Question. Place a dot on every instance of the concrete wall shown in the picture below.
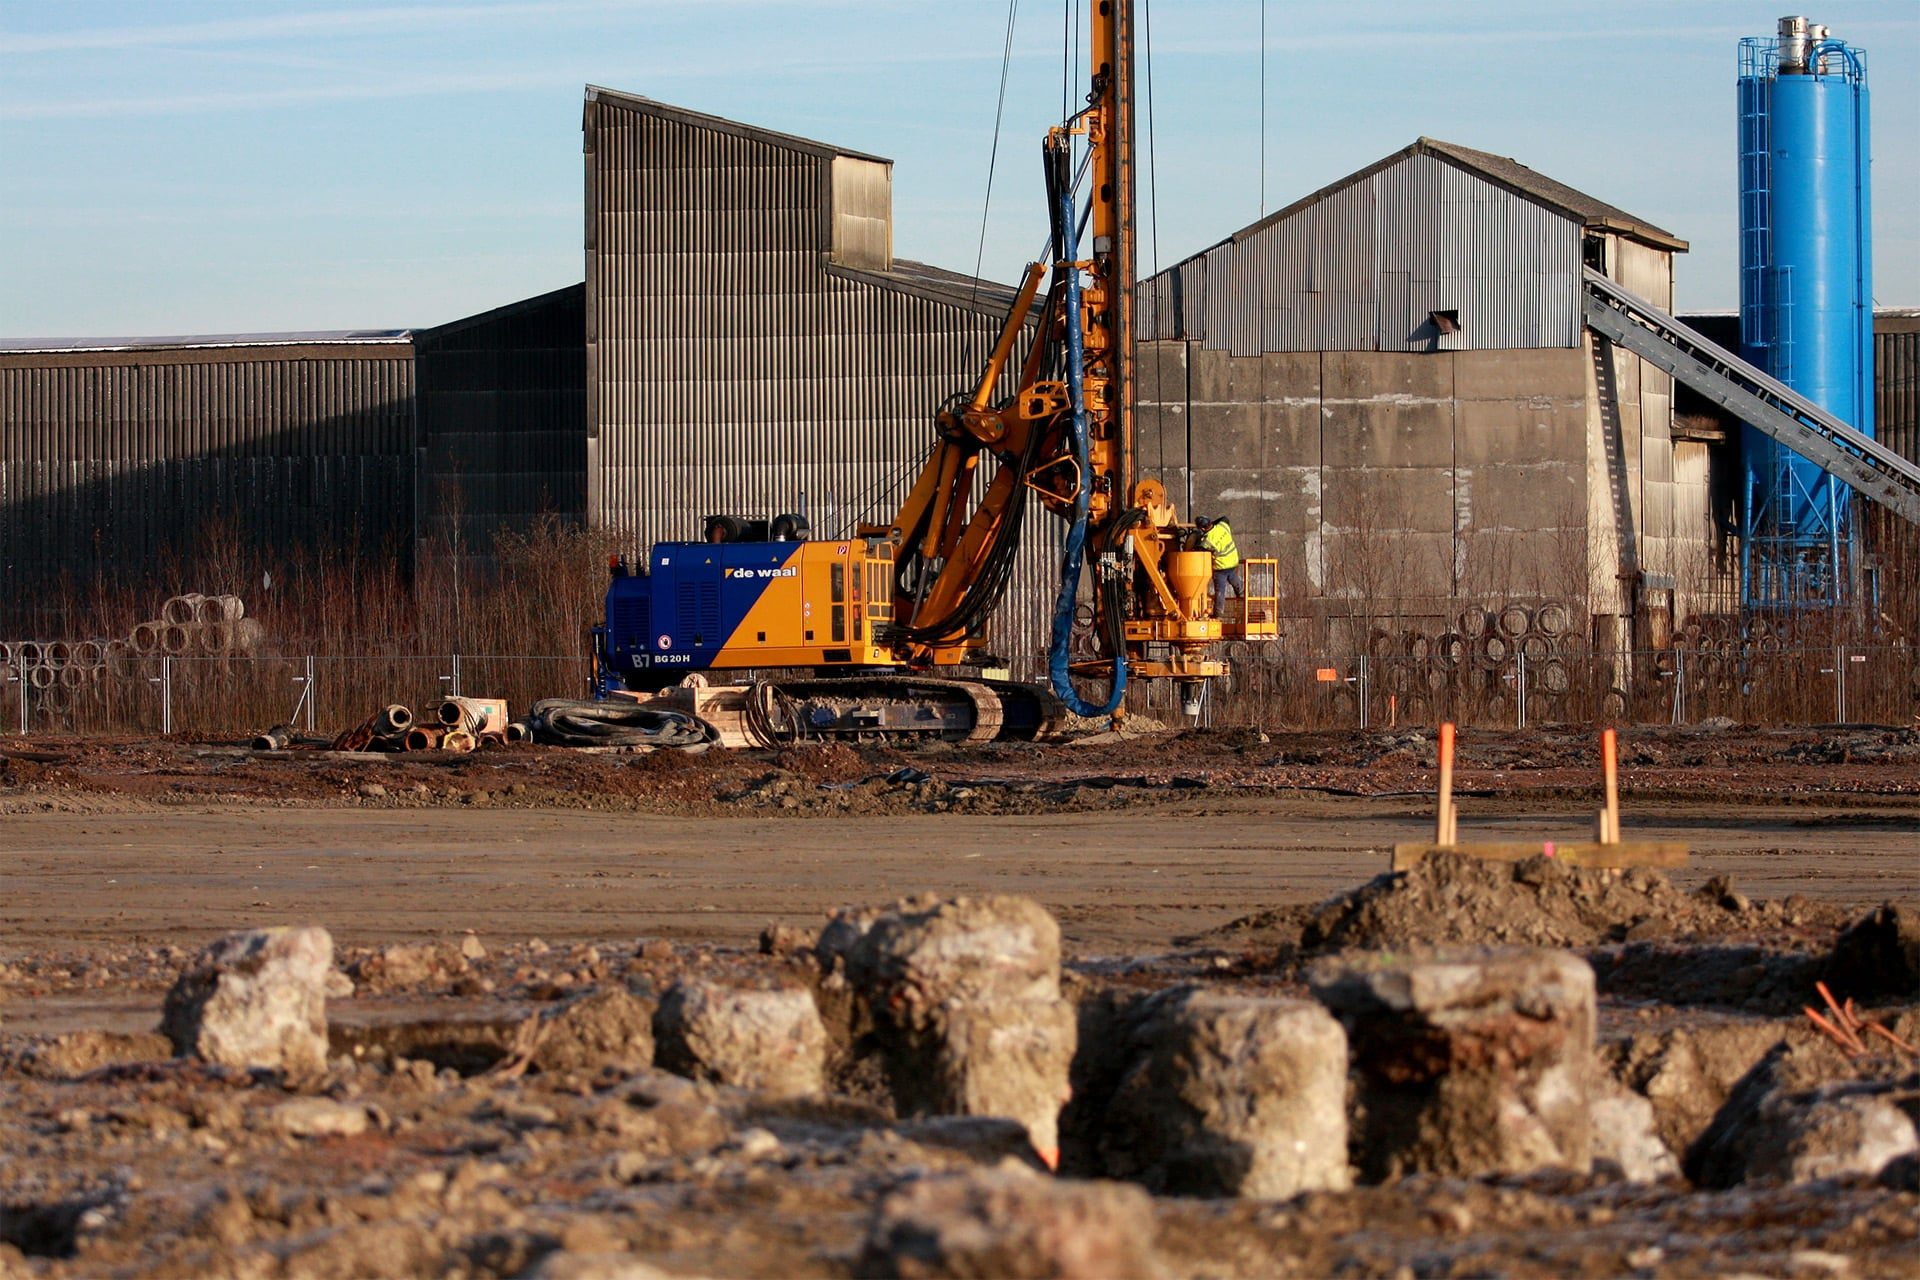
(1651, 522)
(1386, 484)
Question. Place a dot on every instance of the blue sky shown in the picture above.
(217, 166)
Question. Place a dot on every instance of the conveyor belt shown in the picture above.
(1871, 469)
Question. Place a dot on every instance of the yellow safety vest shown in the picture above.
(1219, 540)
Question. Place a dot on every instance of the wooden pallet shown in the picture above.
(1575, 853)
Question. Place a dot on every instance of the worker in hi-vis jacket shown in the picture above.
(1216, 535)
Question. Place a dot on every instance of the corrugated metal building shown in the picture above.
(1896, 373)
(1388, 384)
(502, 412)
(119, 454)
(753, 346)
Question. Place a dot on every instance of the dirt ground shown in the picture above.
(1166, 859)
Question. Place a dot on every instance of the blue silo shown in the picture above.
(1806, 297)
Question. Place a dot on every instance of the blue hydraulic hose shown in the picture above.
(1074, 555)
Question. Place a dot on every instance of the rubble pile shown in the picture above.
(1538, 901)
(890, 1096)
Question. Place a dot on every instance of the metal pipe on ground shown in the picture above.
(225, 608)
(274, 739)
(89, 654)
(42, 677)
(424, 737)
(519, 731)
(475, 715)
(145, 638)
(27, 653)
(56, 654)
(458, 740)
(394, 719)
(176, 639)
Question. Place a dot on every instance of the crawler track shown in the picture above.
(883, 708)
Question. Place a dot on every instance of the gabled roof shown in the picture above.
(1505, 171)
(937, 284)
(300, 338)
(505, 312)
(1501, 171)
(720, 124)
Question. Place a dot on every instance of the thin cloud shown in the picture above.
(308, 25)
(187, 103)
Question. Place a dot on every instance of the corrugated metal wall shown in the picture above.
(1896, 373)
(111, 462)
(503, 419)
(1896, 542)
(732, 366)
(1361, 268)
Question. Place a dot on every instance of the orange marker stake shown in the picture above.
(1609, 762)
(1443, 816)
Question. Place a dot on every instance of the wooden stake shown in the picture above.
(1443, 814)
(1609, 762)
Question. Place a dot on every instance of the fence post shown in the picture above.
(1519, 689)
(1360, 687)
(1679, 686)
(310, 694)
(456, 675)
(166, 696)
(23, 697)
(1839, 684)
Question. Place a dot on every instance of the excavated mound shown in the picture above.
(1540, 901)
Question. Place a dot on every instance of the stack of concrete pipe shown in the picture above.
(63, 675)
(1473, 667)
(194, 625)
(1719, 661)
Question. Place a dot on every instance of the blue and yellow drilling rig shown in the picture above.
(886, 629)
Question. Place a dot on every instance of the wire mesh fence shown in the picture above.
(1827, 684)
(234, 696)
(1270, 686)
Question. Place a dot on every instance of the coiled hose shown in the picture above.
(564, 722)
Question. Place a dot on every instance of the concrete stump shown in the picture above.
(606, 1027)
(255, 999)
(962, 998)
(1806, 1112)
(1232, 1095)
(1014, 1223)
(768, 1040)
(1626, 1135)
(1835, 1132)
(1467, 1061)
